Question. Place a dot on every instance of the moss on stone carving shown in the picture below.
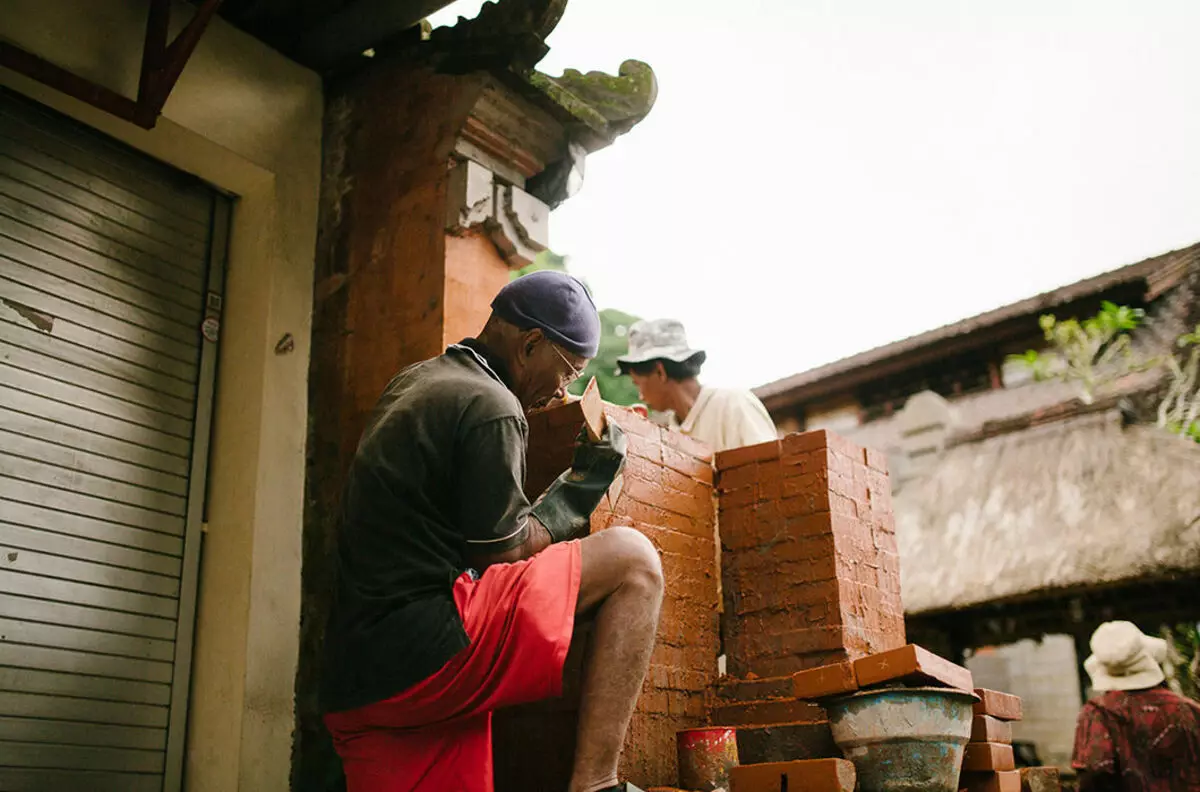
(610, 105)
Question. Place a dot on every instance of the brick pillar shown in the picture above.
(811, 571)
(415, 239)
(666, 493)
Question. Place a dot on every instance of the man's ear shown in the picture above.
(529, 341)
(660, 370)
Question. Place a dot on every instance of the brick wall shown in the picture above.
(666, 493)
(811, 573)
(474, 273)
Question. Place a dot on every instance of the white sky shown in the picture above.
(819, 178)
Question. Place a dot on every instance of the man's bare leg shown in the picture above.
(622, 579)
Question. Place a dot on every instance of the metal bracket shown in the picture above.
(162, 63)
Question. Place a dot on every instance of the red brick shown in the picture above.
(785, 742)
(687, 464)
(699, 524)
(1003, 781)
(785, 664)
(633, 424)
(686, 504)
(674, 480)
(911, 663)
(810, 639)
(809, 775)
(877, 460)
(738, 477)
(823, 681)
(694, 448)
(675, 542)
(745, 496)
(802, 442)
(815, 461)
(698, 656)
(730, 689)
(758, 713)
(985, 728)
(805, 502)
(1002, 706)
(1040, 779)
(643, 447)
(986, 757)
(736, 457)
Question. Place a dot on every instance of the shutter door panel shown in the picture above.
(110, 161)
(67, 419)
(92, 664)
(32, 447)
(19, 357)
(104, 380)
(17, 295)
(105, 232)
(21, 538)
(137, 221)
(140, 327)
(34, 516)
(52, 157)
(14, 607)
(172, 305)
(16, 780)
(175, 286)
(81, 482)
(94, 360)
(72, 733)
(77, 686)
(85, 758)
(97, 244)
(124, 358)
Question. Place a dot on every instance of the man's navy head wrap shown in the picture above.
(557, 304)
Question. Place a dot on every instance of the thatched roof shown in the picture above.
(1077, 503)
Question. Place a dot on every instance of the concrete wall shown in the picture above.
(1045, 675)
(248, 121)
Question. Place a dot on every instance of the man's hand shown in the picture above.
(566, 507)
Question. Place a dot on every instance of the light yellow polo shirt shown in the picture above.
(727, 418)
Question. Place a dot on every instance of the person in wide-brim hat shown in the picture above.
(1135, 735)
(666, 370)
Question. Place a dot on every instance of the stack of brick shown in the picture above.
(810, 577)
(988, 761)
(810, 566)
(665, 493)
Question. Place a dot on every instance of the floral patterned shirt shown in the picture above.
(1139, 741)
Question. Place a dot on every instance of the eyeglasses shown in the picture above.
(575, 373)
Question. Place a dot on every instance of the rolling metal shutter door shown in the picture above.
(109, 263)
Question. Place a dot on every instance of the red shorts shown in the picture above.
(437, 735)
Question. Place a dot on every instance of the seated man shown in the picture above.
(455, 595)
(665, 371)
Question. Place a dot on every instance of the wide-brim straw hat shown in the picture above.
(1125, 658)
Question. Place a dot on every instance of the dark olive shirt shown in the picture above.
(438, 477)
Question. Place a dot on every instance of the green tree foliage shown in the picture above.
(614, 387)
(614, 327)
(1099, 350)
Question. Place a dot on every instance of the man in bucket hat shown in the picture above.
(665, 370)
(456, 596)
(1135, 735)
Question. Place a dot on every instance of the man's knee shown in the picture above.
(640, 562)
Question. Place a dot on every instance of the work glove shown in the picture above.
(566, 507)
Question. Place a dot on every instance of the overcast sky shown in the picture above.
(819, 178)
